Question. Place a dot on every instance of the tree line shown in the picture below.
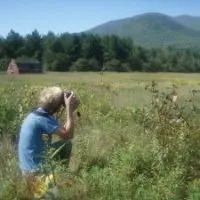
(87, 52)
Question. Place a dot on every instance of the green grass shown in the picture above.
(124, 147)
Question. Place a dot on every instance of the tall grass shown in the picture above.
(147, 150)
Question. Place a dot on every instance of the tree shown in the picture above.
(92, 48)
(34, 45)
(4, 64)
(74, 47)
(14, 41)
(48, 59)
(2, 48)
(87, 52)
(57, 46)
(94, 65)
(113, 65)
(61, 62)
(81, 64)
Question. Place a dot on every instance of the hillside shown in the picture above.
(151, 29)
(189, 21)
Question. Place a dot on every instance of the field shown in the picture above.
(138, 136)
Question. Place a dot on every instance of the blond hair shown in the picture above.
(50, 97)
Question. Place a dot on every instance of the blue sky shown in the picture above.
(23, 16)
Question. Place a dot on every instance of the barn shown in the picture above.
(22, 67)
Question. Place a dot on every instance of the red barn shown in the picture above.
(19, 67)
(12, 68)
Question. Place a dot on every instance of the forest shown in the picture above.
(89, 52)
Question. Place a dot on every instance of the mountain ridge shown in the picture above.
(153, 29)
(189, 20)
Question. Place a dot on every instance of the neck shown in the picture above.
(44, 108)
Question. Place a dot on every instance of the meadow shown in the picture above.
(138, 136)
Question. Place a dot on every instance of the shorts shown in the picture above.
(39, 184)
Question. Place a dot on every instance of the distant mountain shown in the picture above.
(152, 29)
(189, 21)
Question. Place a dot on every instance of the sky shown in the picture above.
(58, 16)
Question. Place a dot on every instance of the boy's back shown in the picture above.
(31, 143)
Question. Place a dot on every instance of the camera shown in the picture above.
(67, 94)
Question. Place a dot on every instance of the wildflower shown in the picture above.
(174, 98)
(38, 186)
(178, 121)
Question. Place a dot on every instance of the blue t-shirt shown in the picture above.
(31, 143)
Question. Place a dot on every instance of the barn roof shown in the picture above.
(27, 62)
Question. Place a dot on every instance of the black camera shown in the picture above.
(67, 94)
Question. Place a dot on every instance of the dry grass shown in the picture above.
(127, 88)
(108, 77)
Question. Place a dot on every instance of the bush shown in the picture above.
(81, 64)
